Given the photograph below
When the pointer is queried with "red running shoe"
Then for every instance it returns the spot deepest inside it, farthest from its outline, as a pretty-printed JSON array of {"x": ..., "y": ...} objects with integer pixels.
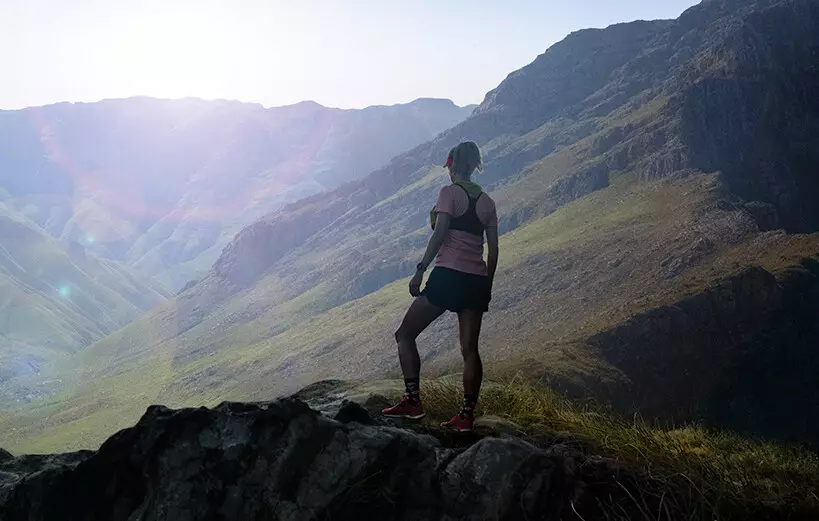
[
  {"x": 406, "y": 408},
  {"x": 460, "y": 422}
]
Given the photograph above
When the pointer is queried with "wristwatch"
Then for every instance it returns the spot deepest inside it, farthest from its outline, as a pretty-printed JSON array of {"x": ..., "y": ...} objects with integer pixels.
[{"x": 420, "y": 267}]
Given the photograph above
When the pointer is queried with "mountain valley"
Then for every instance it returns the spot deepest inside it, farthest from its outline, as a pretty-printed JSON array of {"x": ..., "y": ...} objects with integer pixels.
[
  {"x": 654, "y": 182},
  {"x": 163, "y": 185}
]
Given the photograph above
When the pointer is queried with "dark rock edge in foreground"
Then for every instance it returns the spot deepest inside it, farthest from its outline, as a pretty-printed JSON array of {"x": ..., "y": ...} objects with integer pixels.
[{"x": 283, "y": 460}]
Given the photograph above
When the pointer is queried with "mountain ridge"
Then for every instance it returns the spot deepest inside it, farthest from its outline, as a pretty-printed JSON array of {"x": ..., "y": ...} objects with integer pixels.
[
  {"x": 163, "y": 184},
  {"x": 227, "y": 101}
]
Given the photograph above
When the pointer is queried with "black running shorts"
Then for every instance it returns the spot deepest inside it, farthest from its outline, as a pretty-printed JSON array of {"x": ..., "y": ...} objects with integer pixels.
[{"x": 457, "y": 291}]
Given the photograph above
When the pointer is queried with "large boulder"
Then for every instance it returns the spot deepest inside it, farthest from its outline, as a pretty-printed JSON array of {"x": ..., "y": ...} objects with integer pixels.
[{"x": 283, "y": 460}]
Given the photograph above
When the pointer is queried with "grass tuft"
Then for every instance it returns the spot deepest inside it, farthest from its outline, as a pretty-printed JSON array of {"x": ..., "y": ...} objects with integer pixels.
[{"x": 686, "y": 472}]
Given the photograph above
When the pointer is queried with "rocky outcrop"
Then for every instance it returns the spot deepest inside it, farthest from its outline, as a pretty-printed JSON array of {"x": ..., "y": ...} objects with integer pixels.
[
  {"x": 747, "y": 105},
  {"x": 282, "y": 460},
  {"x": 741, "y": 355},
  {"x": 562, "y": 81}
]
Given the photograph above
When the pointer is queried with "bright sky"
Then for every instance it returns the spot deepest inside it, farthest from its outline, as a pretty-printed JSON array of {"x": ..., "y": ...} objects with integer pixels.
[{"x": 347, "y": 54}]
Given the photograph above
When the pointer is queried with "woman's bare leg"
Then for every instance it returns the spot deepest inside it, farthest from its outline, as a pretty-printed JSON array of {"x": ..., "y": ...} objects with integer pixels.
[
  {"x": 469, "y": 324},
  {"x": 419, "y": 315}
]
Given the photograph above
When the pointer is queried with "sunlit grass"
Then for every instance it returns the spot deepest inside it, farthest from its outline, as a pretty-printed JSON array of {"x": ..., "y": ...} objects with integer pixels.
[
  {"x": 690, "y": 472},
  {"x": 698, "y": 471}
]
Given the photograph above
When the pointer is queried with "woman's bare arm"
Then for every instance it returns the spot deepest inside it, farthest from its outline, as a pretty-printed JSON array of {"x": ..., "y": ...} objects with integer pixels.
[
  {"x": 492, "y": 255},
  {"x": 442, "y": 222}
]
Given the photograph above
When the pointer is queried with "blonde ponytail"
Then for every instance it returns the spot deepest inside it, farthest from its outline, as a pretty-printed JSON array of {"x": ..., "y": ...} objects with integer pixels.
[{"x": 465, "y": 158}]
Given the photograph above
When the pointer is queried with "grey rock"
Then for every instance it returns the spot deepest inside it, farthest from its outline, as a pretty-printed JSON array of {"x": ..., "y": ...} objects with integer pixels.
[
  {"x": 353, "y": 412},
  {"x": 765, "y": 214},
  {"x": 5, "y": 455},
  {"x": 283, "y": 460},
  {"x": 499, "y": 479}
]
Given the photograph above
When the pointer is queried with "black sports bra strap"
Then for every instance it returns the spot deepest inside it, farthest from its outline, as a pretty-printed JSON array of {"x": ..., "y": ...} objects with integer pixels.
[
  {"x": 467, "y": 194},
  {"x": 469, "y": 221}
]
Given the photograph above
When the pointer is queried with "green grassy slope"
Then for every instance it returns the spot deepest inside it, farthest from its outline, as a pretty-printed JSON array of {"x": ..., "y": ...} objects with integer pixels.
[
  {"x": 685, "y": 472},
  {"x": 588, "y": 266},
  {"x": 55, "y": 300}
]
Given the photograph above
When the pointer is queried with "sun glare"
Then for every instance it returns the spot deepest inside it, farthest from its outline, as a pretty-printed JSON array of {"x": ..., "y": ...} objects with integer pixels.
[{"x": 179, "y": 52}]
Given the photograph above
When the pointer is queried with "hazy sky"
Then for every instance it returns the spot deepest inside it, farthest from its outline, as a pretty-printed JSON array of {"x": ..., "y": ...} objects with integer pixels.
[{"x": 341, "y": 53}]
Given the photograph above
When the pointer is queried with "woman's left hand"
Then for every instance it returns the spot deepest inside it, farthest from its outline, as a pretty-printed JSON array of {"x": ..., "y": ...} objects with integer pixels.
[{"x": 415, "y": 284}]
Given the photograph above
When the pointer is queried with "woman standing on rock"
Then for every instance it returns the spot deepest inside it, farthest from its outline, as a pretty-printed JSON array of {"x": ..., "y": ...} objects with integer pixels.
[{"x": 461, "y": 282}]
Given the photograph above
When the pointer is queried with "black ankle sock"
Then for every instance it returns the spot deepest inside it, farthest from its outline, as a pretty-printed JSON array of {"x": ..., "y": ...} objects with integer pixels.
[
  {"x": 470, "y": 402},
  {"x": 413, "y": 388}
]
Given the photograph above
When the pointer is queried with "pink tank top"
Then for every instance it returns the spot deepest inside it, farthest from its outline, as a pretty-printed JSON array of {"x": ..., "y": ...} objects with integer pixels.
[{"x": 463, "y": 251}]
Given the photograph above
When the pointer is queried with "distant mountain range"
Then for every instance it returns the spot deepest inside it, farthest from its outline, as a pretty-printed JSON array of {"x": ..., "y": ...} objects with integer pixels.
[
  {"x": 108, "y": 208},
  {"x": 163, "y": 185},
  {"x": 655, "y": 183}
]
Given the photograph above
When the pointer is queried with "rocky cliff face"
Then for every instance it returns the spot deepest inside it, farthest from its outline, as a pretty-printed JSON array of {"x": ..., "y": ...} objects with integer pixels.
[
  {"x": 282, "y": 460},
  {"x": 741, "y": 355},
  {"x": 746, "y": 104}
]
